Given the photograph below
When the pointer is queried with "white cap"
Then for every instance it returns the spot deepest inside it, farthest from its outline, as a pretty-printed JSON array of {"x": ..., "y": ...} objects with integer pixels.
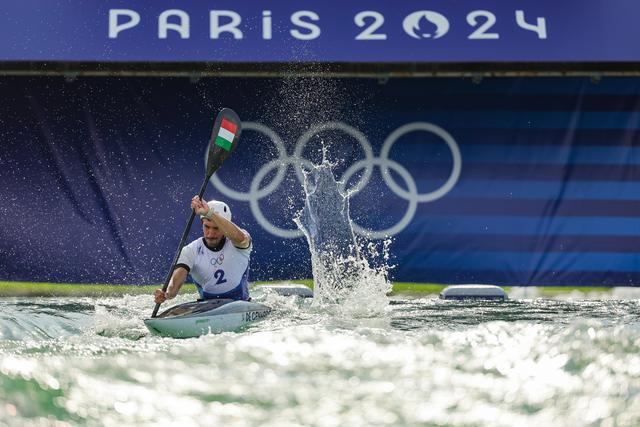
[{"x": 220, "y": 208}]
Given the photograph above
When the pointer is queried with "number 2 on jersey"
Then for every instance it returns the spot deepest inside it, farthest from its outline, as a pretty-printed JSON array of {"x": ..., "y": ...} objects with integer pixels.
[{"x": 219, "y": 274}]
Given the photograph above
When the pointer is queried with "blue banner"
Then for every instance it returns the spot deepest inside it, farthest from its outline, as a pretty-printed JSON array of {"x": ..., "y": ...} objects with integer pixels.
[
  {"x": 329, "y": 31},
  {"x": 509, "y": 181}
]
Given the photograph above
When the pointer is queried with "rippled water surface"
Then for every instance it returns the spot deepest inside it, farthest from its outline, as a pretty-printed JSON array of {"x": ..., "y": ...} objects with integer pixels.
[{"x": 413, "y": 361}]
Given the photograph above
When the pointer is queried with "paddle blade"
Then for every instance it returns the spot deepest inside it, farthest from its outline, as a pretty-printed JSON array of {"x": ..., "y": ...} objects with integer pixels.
[{"x": 224, "y": 139}]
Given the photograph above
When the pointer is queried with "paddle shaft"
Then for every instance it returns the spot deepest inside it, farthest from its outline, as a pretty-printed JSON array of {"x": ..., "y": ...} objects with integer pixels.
[{"x": 185, "y": 233}]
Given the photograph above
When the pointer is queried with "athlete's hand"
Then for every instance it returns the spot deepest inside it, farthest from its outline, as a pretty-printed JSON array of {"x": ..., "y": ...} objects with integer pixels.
[
  {"x": 160, "y": 296},
  {"x": 199, "y": 205}
]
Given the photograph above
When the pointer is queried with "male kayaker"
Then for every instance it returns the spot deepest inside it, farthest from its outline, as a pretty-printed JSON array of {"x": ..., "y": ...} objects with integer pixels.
[{"x": 219, "y": 262}]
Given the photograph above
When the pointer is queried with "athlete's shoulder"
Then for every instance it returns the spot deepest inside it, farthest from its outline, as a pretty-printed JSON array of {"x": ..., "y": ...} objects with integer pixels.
[
  {"x": 247, "y": 244},
  {"x": 195, "y": 246}
]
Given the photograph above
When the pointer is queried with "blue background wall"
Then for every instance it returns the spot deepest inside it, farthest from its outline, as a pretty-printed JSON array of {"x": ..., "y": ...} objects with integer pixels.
[{"x": 96, "y": 174}]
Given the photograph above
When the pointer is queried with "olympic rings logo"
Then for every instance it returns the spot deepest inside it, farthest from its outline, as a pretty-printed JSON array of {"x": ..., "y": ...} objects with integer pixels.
[
  {"x": 284, "y": 160},
  {"x": 217, "y": 260}
]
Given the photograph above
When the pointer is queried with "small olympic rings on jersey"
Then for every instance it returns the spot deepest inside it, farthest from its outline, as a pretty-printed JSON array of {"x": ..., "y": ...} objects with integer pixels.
[{"x": 217, "y": 260}]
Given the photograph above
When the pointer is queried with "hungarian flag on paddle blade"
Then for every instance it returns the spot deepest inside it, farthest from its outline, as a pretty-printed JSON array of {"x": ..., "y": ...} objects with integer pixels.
[{"x": 226, "y": 134}]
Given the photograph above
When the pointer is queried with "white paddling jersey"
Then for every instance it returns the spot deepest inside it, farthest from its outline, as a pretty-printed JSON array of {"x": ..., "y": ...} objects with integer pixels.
[{"x": 218, "y": 272}]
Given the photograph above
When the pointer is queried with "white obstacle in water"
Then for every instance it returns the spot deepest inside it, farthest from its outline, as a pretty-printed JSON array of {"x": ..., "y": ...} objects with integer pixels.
[
  {"x": 289, "y": 290},
  {"x": 472, "y": 291}
]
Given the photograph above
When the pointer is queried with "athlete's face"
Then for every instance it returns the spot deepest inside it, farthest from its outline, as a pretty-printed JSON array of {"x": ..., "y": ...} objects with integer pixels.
[{"x": 212, "y": 234}]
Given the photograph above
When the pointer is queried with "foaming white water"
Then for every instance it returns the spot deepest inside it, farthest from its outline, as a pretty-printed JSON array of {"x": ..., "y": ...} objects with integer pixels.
[
  {"x": 42, "y": 318},
  {"x": 342, "y": 273},
  {"x": 615, "y": 293},
  {"x": 421, "y": 362},
  {"x": 119, "y": 317}
]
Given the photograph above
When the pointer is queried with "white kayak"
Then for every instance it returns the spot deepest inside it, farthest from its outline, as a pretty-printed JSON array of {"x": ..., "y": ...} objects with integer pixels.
[{"x": 193, "y": 319}]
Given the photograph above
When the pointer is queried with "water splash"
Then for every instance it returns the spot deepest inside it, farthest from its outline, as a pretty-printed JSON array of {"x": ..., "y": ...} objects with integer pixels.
[{"x": 341, "y": 272}]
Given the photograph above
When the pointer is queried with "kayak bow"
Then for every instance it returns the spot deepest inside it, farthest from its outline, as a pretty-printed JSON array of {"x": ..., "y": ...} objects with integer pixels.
[{"x": 193, "y": 319}]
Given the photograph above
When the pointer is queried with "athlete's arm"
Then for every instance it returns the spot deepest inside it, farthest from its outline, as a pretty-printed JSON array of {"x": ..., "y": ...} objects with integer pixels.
[
  {"x": 177, "y": 280},
  {"x": 238, "y": 236}
]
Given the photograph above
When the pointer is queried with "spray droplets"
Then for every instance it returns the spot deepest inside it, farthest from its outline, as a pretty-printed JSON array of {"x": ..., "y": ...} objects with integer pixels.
[{"x": 341, "y": 271}]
